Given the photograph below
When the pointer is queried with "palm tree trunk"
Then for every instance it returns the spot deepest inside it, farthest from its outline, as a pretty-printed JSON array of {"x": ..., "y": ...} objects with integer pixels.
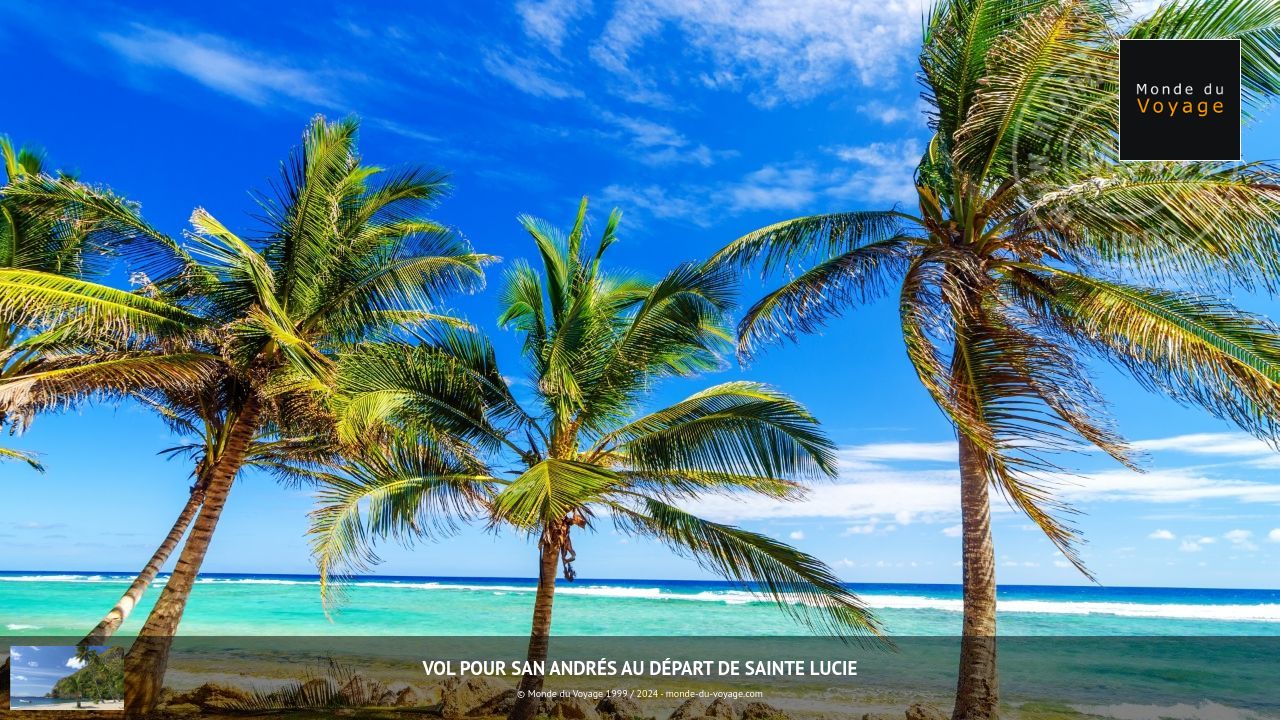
[
  {"x": 147, "y": 660},
  {"x": 977, "y": 689},
  {"x": 526, "y": 707},
  {"x": 133, "y": 595}
]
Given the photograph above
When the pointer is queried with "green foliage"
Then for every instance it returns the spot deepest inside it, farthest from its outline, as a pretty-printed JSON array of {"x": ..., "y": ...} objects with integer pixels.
[
  {"x": 1032, "y": 250},
  {"x": 101, "y": 678},
  {"x": 344, "y": 255},
  {"x": 594, "y": 345}
]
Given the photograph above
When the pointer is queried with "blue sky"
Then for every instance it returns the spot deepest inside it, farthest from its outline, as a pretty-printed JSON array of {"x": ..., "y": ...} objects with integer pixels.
[
  {"x": 34, "y": 670},
  {"x": 701, "y": 119}
]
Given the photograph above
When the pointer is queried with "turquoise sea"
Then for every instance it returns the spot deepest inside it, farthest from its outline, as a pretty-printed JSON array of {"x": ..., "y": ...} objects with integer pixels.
[{"x": 69, "y": 603}]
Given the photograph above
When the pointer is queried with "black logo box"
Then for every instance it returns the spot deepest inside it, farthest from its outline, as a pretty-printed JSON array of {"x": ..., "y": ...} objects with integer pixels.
[{"x": 1179, "y": 72}]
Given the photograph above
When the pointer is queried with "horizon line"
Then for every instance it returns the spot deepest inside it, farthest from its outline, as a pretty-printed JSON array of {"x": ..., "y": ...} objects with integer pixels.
[{"x": 581, "y": 579}]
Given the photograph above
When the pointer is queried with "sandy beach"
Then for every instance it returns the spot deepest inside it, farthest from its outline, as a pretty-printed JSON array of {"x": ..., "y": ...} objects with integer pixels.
[{"x": 71, "y": 705}]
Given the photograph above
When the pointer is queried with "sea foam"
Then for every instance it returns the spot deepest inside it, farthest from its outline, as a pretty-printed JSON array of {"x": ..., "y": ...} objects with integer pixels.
[{"x": 1261, "y": 612}]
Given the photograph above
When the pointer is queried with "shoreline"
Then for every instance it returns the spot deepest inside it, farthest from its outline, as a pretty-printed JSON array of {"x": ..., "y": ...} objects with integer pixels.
[{"x": 85, "y": 706}]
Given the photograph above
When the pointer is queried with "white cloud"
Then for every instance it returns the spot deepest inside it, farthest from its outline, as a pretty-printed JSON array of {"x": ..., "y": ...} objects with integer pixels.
[
  {"x": 656, "y": 144},
  {"x": 865, "y": 529},
  {"x": 1141, "y": 8},
  {"x": 13, "y": 653},
  {"x": 1062, "y": 563},
  {"x": 884, "y": 112},
  {"x": 1274, "y": 535},
  {"x": 1161, "y": 535},
  {"x": 20, "y": 677},
  {"x": 1235, "y": 444},
  {"x": 953, "y": 531},
  {"x": 1242, "y": 539},
  {"x": 797, "y": 535},
  {"x": 878, "y": 173},
  {"x": 947, "y": 451},
  {"x": 218, "y": 63},
  {"x": 1174, "y": 485},
  {"x": 549, "y": 20},
  {"x": 867, "y": 497},
  {"x": 782, "y": 50},
  {"x": 528, "y": 77},
  {"x": 883, "y": 172},
  {"x": 75, "y": 663},
  {"x": 655, "y": 201},
  {"x": 774, "y": 188},
  {"x": 1195, "y": 544}
]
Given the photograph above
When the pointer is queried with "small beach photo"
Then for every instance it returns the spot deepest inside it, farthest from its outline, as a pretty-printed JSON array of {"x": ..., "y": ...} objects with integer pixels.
[{"x": 66, "y": 678}]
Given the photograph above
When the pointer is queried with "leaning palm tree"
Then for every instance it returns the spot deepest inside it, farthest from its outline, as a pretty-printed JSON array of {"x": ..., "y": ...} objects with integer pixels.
[
  {"x": 27, "y": 243},
  {"x": 197, "y": 416},
  {"x": 1031, "y": 247},
  {"x": 594, "y": 343},
  {"x": 342, "y": 259},
  {"x": 73, "y": 241}
]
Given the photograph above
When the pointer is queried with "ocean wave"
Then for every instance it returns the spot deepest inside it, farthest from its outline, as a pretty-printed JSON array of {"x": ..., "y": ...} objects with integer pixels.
[
  {"x": 1206, "y": 710},
  {"x": 1255, "y": 613},
  {"x": 1262, "y": 612},
  {"x": 20, "y": 626},
  {"x": 253, "y": 581},
  {"x": 63, "y": 578}
]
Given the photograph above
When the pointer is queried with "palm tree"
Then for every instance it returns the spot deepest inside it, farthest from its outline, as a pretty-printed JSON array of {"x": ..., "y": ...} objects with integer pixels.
[
  {"x": 26, "y": 243},
  {"x": 196, "y": 415},
  {"x": 73, "y": 240},
  {"x": 594, "y": 343},
  {"x": 341, "y": 259},
  {"x": 1032, "y": 247}
]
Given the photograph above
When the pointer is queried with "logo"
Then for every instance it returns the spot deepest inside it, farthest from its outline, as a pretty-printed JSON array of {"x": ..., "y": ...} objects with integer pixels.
[{"x": 1180, "y": 100}]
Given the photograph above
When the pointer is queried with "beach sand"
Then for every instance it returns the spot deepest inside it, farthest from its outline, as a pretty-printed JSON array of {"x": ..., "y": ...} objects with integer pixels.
[{"x": 106, "y": 705}]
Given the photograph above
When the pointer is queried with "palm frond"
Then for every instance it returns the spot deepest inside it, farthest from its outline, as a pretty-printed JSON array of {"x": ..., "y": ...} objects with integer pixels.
[
  {"x": 1042, "y": 74},
  {"x": 103, "y": 219},
  {"x": 33, "y": 298},
  {"x": 1256, "y": 23},
  {"x": 70, "y": 381},
  {"x": 815, "y": 237},
  {"x": 1198, "y": 350},
  {"x": 22, "y": 457},
  {"x": 550, "y": 490},
  {"x": 736, "y": 429},
  {"x": 799, "y": 584},
  {"x": 405, "y": 493},
  {"x": 805, "y": 303},
  {"x": 959, "y": 35},
  {"x": 1210, "y": 222}
]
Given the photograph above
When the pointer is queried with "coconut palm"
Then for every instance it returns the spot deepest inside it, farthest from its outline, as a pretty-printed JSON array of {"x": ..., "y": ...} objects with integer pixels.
[
  {"x": 595, "y": 343},
  {"x": 73, "y": 241},
  {"x": 196, "y": 415},
  {"x": 71, "y": 238},
  {"x": 26, "y": 243},
  {"x": 1031, "y": 248},
  {"x": 341, "y": 258}
]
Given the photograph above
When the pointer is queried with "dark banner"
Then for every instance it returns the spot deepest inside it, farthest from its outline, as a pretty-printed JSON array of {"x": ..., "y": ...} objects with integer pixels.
[{"x": 681, "y": 678}]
